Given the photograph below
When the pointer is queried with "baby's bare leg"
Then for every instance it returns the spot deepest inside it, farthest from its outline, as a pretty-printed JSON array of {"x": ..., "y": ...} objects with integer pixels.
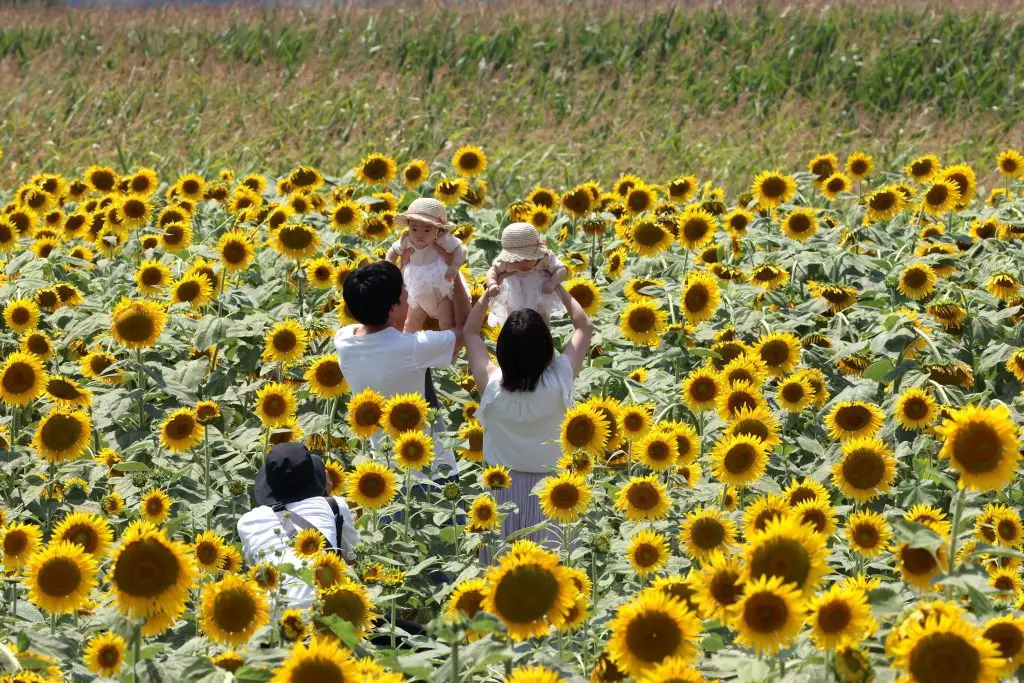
[
  {"x": 446, "y": 314},
  {"x": 415, "y": 319}
]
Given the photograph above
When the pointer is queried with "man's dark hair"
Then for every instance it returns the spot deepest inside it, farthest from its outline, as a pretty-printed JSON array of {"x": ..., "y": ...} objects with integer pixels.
[
  {"x": 525, "y": 350},
  {"x": 371, "y": 290}
]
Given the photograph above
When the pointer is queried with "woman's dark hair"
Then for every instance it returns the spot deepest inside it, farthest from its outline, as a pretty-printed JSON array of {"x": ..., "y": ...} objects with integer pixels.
[
  {"x": 525, "y": 350},
  {"x": 371, "y": 291}
]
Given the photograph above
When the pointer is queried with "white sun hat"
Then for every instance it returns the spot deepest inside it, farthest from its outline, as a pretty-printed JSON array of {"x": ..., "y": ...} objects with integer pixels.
[
  {"x": 521, "y": 242},
  {"x": 426, "y": 209}
]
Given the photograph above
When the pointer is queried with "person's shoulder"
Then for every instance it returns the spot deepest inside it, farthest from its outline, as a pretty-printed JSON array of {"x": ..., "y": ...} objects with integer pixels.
[
  {"x": 345, "y": 333},
  {"x": 256, "y": 514},
  {"x": 432, "y": 336}
]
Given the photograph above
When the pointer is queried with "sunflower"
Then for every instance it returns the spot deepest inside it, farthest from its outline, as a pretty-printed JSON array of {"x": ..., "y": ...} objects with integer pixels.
[
  {"x": 635, "y": 289},
  {"x": 657, "y": 450},
  {"x": 868, "y": 533},
  {"x": 285, "y": 342},
  {"x": 473, "y": 434},
  {"x": 155, "y": 506},
  {"x": 650, "y": 629},
  {"x": 635, "y": 420},
  {"x": 180, "y": 431},
  {"x": 940, "y": 197},
  {"x": 741, "y": 396},
  {"x": 22, "y": 379},
  {"x": 835, "y": 185},
  {"x": 800, "y": 224},
  {"x": 403, "y": 413},
  {"x": 866, "y": 469},
  {"x": 1007, "y": 633},
  {"x": 772, "y": 188},
  {"x": 647, "y": 237},
  {"x": 643, "y": 498},
  {"x": 746, "y": 367},
  {"x": 89, "y": 531},
  {"x": 60, "y": 578},
  {"x": 483, "y": 515},
  {"x": 701, "y": 389},
  {"x": 946, "y": 648},
  {"x": 365, "y": 411},
  {"x": 346, "y": 216},
  {"x": 371, "y": 485},
  {"x": 919, "y": 565},
  {"x": 323, "y": 659},
  {"x": 642, "y": 323},
  {"x": 982, "y": 446},
  {"x": 150, "y": 573},
  {"x": 137, "y": 324},
  {"x": 794, "y": 393},
  {"x": 236, "y": 251},
  {"x": 838, "y": 297},
  {"x": 739, "y": 460},
  {"x": 758, "y": 422},
  {"x": 848, "y": 420},
  {"x": 105, "y": 653},
  {"x": 915, "y": 408},
  {"x": 790, "y": 551},
  {"x": 63, "y": 434},
  {"x": 297, "y": 241},
  {"x": 696, "y": 227},
  {"x": 586, "y": 293},
  {"x": 275, "y": 405},
  {"x": 780, "y": 352},
  {"x": 152, "y": 277},
  {"x": 527, "y": 589},
  {"x": 18, "y": 543},
  {"x": 194, "y": 290},
  {"x": 565, "y": 497},
  {"x": 647, "y": 552},
  {"x": 578, "y": 201},
  {"x": 769, "y": 614},
  {"x": 209, "y": 551},
  {"x": 112, "y": 504},
  {"x": 706, "y": 531},
  {"x": 584, "y": 428},
  {"x": 325, "y": 378},
  {"x": 21, "y": 315},
  {"x": 293, "y": 626},
  {"x": 308, "y": 543},
  {"x": 232, "y": 610},
  {"x": 769, "y": 276},
  {"x": 414, "y": 450},
  {"x": 496, "y": 477},
  {"x": 469, "y": 161},
  {"x": 917, "y": 281},
  {"x": 1002, "y": 286},
  {"x": 700, "y": 297},
  {"x": 840, "y": 617}
]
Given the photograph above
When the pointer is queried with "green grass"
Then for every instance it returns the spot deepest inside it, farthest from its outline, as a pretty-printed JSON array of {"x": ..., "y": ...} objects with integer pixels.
[{"x": 554, "y": 92}]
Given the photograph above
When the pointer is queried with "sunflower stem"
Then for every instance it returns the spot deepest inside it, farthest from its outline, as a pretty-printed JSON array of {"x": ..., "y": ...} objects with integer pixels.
[
  {"x": 393, "y": 610},
  {"x": 50, "y": 480},
  {"x": 455, "y": 655},
  {"x": 958, "y": 509},
  {"x": 141, "y": 379},
  {"x": 136, "y": 652},
  {"x": 298, "y": 276},
  {"x": 406, "y": 514},
  {"x": 206, "y": 472}
]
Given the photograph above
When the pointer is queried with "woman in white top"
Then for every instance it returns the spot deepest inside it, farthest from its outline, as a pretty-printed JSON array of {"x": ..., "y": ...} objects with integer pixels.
[{"x": 524, "y": 398}]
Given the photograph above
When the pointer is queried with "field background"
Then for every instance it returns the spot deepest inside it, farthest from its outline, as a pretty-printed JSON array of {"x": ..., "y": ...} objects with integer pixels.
[{"x": 555, "y": 92}]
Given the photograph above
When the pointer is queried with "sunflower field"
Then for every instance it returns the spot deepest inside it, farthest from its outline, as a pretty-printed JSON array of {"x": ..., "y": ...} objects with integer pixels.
[{"x": 794, "y": 453}]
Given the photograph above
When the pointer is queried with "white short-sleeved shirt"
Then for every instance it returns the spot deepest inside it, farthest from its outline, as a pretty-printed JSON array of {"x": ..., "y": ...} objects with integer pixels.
[
  {"x": 522, "y": 429},
  {"x": 263, "y": 539},
  {"x": 392, "y": 362}
]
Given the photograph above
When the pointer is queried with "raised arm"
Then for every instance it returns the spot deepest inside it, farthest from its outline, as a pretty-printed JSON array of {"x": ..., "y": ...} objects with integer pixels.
[
  {"x": 461, "y": 305},
  {"x": 578, "y": 347},
  {"x": 476, "y": 349}
]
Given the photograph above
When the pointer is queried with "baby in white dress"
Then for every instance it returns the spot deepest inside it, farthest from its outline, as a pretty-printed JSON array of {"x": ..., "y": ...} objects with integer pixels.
[
  {"x": 526, "y": 274},
  {"x": 430, "y": 258}
]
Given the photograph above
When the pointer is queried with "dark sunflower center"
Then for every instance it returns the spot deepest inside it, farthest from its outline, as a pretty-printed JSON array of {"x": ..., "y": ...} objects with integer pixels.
[
  {"x": 295, "y": 237},
  {"x": 643, "y": 496},
  {"x": 944, "y": 658},
  {"x": 918, "y": 560},
  {"x": 109, "y": 656},
  {"x": 61, "y": 432},
  {"x": 234, "y": 611},
  {"x": 207, "y": 553},
  {"x": 707, "y": 533},
  {"x": 915, "y": 409},
  {"x": 284, "y": 341},
  {"x": 739, "y": 400},
  {"x": 368, "y": 414},
  {"x": 59, "y": 577},
  {"x": 135, "y": 326},
  {"x": 152, "y": 276},
  {"x": 740, "y": 458},
  {"x": 863, "y": 469},
  {"x": 765, "y": 612},
  {"x": 329, "y": 374},
  {"x": 648, "y": 233},
  {"x": 146, "y": 569},
  {"x": 658, "y": 451},
  {"x": 565, "y": 496},
  {"x": 646, "y": 555},
  {"x": 834, "y": 617},
  {"x": 188, "y": 291},
  {"x": 234, "y": 252},
  {"x": 372, "y": 485},
  {"x": 696, "y": 298},
  {"x": 405, "y": 417},
  {"x": 346, "y": 605},
  {"x": 783, "y": 557},
  {"x": 883, "y": 201},
  {"x": 525, "y": 594},
  {"x": 580, "y": 431},
  {"x": 866, "y": 536},
  {"x": 84, "y": 536},
  {"x": 274, "y": 405},
  {"x": 977, "y": 448},
  {"x": 470, "y": 603},
  {"x": 853, "y": 418},
  {"x": 775, "y": 353},
  {"x": 799, "y": 223},
  {"x": 695, "y": 229},
  {"x": 1007, "y": 637},
  {"x": 653, "y": 636},
  {"x": 937, "y": 195},
  {"x": 180, "y": 427},
  {"x": 583, "y": 295}
]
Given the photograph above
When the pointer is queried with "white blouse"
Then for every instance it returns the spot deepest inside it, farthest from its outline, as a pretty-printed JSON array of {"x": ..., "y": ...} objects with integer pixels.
[{"x": 522, "y": 429}]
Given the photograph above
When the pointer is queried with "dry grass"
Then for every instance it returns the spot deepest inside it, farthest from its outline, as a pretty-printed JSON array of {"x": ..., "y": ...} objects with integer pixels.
[{"x": 555, "y": 92}]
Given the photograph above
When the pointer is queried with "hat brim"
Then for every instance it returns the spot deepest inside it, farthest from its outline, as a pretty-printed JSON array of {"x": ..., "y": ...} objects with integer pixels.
[
  {"x": 402, "y": 220},
  {"x": 263, "y": 494},
  {"x": 521, "y": 254}
]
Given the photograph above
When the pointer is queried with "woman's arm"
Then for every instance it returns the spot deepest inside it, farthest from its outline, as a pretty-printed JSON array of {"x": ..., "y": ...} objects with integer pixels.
[
  {"x": 479, "y": 361},
  {"x": 578, "y": 347}
]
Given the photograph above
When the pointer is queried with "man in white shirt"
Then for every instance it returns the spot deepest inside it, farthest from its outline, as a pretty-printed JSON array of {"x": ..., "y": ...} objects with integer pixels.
[
  {"x": 376, "y": 354},
  {"x": 291, "y": 491}
]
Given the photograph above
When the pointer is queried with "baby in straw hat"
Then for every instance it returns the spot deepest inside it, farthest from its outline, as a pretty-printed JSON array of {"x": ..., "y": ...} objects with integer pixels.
[
  {"x": 430, "y": 257},
  {"x": 526, "y": 274}
]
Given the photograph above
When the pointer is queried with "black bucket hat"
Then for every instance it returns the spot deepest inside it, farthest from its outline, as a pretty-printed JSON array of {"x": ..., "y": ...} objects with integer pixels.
[{"x": 291, "y": 473}]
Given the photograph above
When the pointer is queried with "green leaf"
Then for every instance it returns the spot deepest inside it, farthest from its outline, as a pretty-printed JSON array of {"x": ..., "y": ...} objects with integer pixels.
[
  {"x": 879, "y": 370},
  {"x": 712, "y": 643},
  {"x": 131, "y": 467}
]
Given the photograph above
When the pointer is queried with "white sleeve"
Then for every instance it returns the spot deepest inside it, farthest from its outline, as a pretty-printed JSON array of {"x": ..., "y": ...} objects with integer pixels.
[{"x": 433, "y": 349}]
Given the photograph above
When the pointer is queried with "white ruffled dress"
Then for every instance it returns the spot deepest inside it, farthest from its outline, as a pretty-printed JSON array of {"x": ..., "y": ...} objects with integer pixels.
[{"x": 523, "y": 290}]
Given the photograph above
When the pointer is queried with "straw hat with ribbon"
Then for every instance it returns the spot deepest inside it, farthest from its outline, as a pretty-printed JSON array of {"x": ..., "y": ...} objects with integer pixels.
[
  {"x": 426, "y": 210},
  {"x": 521, "y": 242}
]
